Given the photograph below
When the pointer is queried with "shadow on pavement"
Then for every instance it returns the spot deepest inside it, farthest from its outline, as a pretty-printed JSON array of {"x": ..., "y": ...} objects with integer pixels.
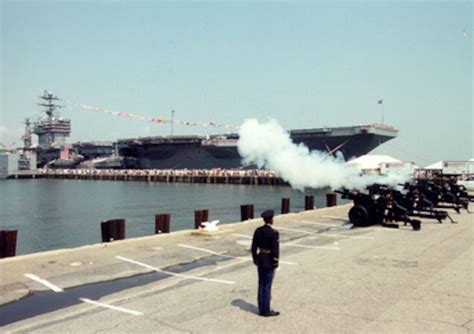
[{"x": 243, "y": 305}]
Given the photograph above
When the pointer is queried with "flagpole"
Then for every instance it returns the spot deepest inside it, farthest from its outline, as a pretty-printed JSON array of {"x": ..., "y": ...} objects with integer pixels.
[
  {"x": 383, "y": 114},
  {"x": 172, "y": 122},
  {"x": 382, "y": 109}
]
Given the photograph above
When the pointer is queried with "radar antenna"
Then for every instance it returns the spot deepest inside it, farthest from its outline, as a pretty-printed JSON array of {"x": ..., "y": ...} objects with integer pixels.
[{"x": 49, "y": 104}]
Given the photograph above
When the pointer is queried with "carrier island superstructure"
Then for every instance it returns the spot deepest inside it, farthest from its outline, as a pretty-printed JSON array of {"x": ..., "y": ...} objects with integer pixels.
[{"x": 51, "y": 129}]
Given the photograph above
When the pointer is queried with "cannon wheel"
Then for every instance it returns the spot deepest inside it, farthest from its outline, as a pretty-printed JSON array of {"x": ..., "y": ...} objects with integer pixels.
[{"x": 359, "y": 216}]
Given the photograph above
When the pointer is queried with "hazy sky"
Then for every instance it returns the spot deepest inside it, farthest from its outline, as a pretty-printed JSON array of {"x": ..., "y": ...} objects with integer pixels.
[{"x": 305, "y": 64}]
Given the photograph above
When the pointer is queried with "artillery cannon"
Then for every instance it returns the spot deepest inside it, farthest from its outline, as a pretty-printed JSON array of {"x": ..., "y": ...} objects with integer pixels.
[
  {"x": 373, "y": 209},
  {"x": 443, "y": 196},
  {"x": 461, "y": 192},
  {"x": 416, "y": 205}
]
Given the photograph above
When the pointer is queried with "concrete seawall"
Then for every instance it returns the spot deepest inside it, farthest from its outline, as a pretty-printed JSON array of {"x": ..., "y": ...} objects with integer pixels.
[{"x": 331, "y": 279}]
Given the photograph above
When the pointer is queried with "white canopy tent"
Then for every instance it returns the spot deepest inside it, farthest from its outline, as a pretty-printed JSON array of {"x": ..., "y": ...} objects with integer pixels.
[
  {"x": 371, "y": 162},
  {"x": 436, "y": 165}
]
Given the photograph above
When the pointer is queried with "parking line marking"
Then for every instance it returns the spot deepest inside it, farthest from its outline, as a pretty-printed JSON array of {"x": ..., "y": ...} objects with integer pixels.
[
  {"x": 337, "y": 218},
  {"x": 379, "y": 228},
  {"x": 333, "y": 235},
  {"x": 227, "y": 256},
  {"x": 345, "y": 236},
  {"x": 173, "y": 274},
  {"x": 116, "y": 308},
  {"x": 44, "y": 282},
  {"x": 316, "y": 223},
  {"x": 312, "y": 247},
  {"x": 208, "y": 251},
  {"x": 295, "y": 230}
]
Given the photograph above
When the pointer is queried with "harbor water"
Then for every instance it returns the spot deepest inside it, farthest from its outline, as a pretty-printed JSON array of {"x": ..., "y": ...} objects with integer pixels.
[{"x": 55, "y": 214}]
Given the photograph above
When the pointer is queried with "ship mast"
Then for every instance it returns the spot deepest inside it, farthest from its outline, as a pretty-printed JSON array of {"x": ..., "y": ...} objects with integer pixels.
[{"x": 49, "y": 104}]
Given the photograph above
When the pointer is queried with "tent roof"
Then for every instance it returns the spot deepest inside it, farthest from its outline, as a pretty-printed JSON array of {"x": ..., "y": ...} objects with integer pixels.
[
  {"x": 371, "y": 161},
  {"x": 439, "y": 165},
  {"x": 436, "y": 165}
]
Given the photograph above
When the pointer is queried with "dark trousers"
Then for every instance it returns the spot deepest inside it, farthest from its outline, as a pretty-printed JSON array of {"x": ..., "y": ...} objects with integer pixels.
[{"x": 265, "y": 278}]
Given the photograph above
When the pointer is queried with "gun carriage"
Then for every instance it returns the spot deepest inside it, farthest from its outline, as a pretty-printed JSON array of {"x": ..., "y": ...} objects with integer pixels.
[
  {"x": 442, "y": 194},
  {"x": 377, "y": 209},
  {"x": 383, "y": 205}
]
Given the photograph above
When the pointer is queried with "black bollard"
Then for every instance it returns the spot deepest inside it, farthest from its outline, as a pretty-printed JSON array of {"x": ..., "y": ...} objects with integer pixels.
[
  {"x": 7, "y": 243},
  {"x": 309, "y": 202},
  {"x": 120, "y": 228},
  {"x": 246, "y": 212},
  {"x": 331, "y": 199},
  {"x": 162, "y": 223},
  {"x": 200, "y": 216},
  {"x": 285, "y": 205},
  {"x": 104, "y": 231},
  {"x": 197, "y": 218},
  {"x": 205, "y": 215},
  {"x": 112, "y": 229}
]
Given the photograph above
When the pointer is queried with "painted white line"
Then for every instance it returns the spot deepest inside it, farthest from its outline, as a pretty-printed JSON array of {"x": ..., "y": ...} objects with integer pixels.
[
  {"x": 44, "y": 282},
  {"x": 312, "y": 247},
  {"x": 227, "y": 256},
  {"x": 173, "y": 274},
  {"x": 332, "y": 235},
  {"x": 379, "y": 229},
  {"x": 242, "y": 236},
  {"x": 294, "y": 230},
  {"x": 116, "y": 308},
  {"x": 315, "y": 223},
  {"x": 207, "y": 251},
  {"x": 337, "y": 218}
]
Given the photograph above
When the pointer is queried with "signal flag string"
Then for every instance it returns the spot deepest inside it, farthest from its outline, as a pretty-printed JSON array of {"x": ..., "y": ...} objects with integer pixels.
[{"x": 155, "y": 120}]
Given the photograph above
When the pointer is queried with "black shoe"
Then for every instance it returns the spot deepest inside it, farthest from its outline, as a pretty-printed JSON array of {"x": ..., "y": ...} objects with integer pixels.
[{"x": 272, "y": 313}]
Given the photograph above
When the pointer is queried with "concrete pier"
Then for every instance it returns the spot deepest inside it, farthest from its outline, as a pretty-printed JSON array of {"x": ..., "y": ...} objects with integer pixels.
[
  {"x": 331, "y": 279},
  {"x": 211, "y": 176}
]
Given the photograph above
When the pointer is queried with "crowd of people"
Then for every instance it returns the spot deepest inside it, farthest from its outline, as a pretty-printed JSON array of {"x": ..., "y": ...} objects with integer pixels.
[{"x": 215, "y": 172}]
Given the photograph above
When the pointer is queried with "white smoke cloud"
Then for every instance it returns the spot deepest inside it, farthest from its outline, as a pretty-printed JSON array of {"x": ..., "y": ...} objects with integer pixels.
[{"x": 269, "y": 145}]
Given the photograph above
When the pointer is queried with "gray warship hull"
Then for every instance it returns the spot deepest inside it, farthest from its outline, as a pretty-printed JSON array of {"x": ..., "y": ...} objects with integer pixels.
[{"x": 220, "y": 151}]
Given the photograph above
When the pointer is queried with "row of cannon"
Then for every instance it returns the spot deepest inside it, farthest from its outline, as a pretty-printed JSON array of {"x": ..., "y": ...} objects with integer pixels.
[{"x": 387, "y": 206}]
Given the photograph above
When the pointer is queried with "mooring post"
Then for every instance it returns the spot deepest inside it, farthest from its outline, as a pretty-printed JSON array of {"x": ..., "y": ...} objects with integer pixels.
[
  {"x": 205, "y": 215},
  {"x": 7, "y": 243},
  {"x": 309, "y": 202},
  {"x": 331, "y": 199},
  {"x": 112, "y": 229},
  {"x": 246, "y": 212},
  {"x": 162, "y": 223},
  {"x": 285, "y": 205},
  {"x": 198, "y": 218}
]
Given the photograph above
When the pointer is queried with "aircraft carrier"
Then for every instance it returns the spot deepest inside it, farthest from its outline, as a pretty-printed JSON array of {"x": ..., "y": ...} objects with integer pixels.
[
  {"x": 179, "y": 152},
  {"x": 220, "y": 151}
]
